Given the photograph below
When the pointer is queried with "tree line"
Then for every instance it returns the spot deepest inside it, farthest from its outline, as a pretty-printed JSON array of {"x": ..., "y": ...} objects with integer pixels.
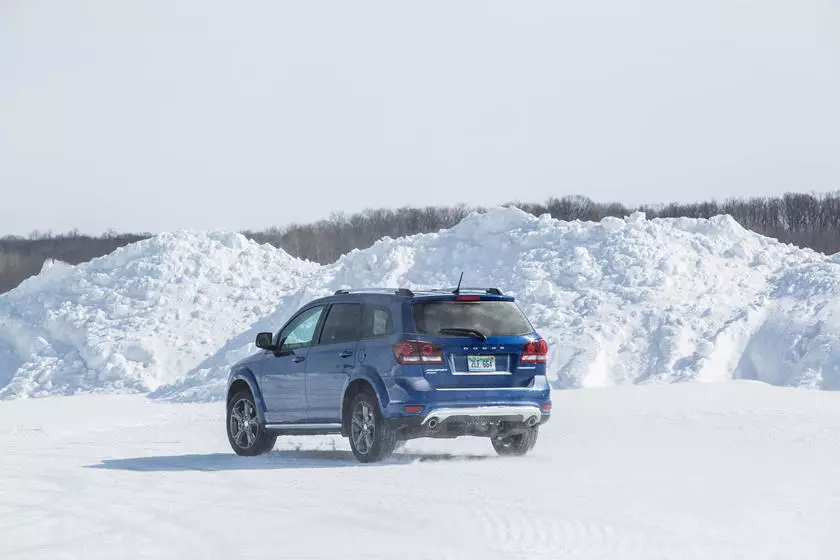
[
  {"x": 806, "y": 220},
  {"x": 22, "y": 257}
]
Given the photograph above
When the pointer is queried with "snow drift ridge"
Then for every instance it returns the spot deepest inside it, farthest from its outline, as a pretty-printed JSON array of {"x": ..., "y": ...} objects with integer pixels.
[{"x": 620, "y": 301}]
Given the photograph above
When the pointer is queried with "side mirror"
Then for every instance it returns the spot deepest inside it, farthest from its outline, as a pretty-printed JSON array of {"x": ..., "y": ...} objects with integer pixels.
[{"x": 264, "y": 341}]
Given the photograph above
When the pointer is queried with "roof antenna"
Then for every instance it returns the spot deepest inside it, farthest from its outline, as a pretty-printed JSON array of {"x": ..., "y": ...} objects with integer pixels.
[{"x": 458, "y": 289}]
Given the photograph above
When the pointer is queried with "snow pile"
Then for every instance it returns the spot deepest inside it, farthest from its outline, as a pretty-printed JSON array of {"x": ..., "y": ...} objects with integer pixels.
[
  {"x": 621, "y": 301},
  {"x": 798, "y": 344},
  {"x": 140, "y": 317}
]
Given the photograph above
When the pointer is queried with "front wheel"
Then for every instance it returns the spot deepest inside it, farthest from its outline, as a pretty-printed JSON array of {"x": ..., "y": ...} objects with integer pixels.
[
  {"x": 245, "y": 434},
  {"x": 371, "y": 438},
  {"x": 518, "y": 444}
]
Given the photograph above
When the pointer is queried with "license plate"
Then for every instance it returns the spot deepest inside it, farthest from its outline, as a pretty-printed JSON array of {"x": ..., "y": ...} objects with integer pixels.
[{"x": 481, "y": 363}]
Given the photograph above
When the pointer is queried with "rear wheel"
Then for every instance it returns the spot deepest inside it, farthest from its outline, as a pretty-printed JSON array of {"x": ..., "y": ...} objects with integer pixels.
[
  {"x": 371, "y": 438},
  {"x": 518, "y": 444},
  {"x": 245, "y": 434}
]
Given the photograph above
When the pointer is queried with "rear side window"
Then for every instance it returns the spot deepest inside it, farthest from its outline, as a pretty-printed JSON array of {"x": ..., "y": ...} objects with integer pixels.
[
  {"x": 343, "y": 324},
  {"x": 491, "y": 318},
  {"x": 376, "y": 321}
]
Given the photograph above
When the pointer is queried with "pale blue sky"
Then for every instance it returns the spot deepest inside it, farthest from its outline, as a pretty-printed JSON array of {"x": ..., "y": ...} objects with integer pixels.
[{"x": 206, "y": 114}]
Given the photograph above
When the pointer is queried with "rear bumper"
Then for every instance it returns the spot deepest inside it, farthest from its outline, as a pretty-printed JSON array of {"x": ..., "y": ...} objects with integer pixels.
[
  {"x": 452, "y": 412},
  {"x": 482, "y": 421},
  {"x": 402, "y": 392}
]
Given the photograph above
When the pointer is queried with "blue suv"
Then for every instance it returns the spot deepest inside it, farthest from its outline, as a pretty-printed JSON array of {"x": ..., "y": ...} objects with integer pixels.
[{"x": 385, "y": 366}]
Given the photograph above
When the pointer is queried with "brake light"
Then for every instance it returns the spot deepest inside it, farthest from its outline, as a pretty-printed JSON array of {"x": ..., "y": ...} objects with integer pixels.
[
  {"x": 534, "y": 352},
  {"x": 468, "y": 298},
  {"x": 410, "y": 352}
]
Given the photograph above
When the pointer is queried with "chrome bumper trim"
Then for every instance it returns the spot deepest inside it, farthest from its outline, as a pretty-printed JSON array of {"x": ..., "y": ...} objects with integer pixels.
[{"x": 524, "y": 412}]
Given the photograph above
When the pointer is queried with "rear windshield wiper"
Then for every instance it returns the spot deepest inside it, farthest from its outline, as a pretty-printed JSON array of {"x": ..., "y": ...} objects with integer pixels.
[{"x": 469, "y": 332}]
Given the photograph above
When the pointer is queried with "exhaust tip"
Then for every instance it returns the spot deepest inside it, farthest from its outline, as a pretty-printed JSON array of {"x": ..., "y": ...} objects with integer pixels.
[
  {"x": 532, "y": 421},
  {"x": 433, "y": 423}
]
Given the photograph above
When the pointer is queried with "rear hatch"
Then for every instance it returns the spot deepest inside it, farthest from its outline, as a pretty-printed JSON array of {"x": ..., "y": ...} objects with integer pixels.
[{"x": 481, "y": 339}]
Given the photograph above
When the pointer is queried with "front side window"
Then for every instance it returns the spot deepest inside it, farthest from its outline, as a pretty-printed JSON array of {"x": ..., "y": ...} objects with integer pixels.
[
  {"x": 301, "y": 330},
  {"x": 343, "y": 323}
]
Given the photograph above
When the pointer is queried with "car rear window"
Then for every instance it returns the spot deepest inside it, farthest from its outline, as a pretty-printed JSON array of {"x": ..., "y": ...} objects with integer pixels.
[{"x": 491, "y": 318}]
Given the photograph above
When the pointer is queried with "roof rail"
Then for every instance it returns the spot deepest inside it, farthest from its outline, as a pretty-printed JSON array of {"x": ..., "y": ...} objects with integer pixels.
[
  {"x": 398, "y": 291},
  {"x": 492, "y": 291}
]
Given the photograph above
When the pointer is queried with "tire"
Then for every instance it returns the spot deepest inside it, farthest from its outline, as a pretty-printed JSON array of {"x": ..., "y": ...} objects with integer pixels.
[
  {"x": 371, "y": 437},
  {"x": 516, "y": 445},
  {"x": 246, "y": 435}
]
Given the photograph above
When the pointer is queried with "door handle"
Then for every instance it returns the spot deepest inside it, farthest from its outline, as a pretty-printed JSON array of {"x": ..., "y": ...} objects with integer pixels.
[
  {"x": 345, "y": 354},
  {"x": 298, "y": 359}
]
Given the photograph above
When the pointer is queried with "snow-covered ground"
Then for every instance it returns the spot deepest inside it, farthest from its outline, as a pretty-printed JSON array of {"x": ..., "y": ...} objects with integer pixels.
[
  {"x": 726, "y": 470},
  {"x": 140, "y": 317}
]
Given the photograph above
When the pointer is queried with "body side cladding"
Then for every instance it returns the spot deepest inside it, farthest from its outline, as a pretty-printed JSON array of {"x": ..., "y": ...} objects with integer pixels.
[
  {"x": 369, "y": 374},
  {"x": 246, "y": 375},
  {"x": 372, "y": 378}
]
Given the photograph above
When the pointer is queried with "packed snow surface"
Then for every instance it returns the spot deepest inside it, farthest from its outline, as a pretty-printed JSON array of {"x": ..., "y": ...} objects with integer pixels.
[
  {"x": 622, "y": 301},
  {"x": 140, "y": 317},
  {"x": 719, "y": 471}
]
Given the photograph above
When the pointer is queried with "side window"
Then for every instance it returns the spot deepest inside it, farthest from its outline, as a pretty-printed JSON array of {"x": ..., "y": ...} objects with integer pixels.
[
  {"x": 376, "y": 321},
  {"x": 343, "y": 323},
  {"x": 300, "y": 331}
]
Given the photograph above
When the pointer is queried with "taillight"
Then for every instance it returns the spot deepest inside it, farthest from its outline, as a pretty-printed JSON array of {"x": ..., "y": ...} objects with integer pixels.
[
  {"x": 417, "y": 352},
  {"x": 534, "y": 352},
  {"x": 468, "y": 298}
]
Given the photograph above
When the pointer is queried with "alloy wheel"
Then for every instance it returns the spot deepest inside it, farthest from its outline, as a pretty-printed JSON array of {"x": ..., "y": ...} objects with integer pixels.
[
  {"x": 363, "y": 427},
  {"x": 243, "y": 423}
]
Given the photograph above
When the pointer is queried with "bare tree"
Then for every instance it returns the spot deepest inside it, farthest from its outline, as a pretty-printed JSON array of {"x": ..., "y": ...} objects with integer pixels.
[{"x": 807, "y": 220}]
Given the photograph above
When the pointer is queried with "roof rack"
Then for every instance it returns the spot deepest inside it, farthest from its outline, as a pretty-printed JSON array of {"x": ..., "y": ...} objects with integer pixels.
[
  {"x": 492, "y": 291},
  {"x": 398, "y": 291}
]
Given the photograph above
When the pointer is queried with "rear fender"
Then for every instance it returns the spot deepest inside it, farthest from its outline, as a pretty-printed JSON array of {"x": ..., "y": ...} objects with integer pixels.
[{"x": 374, "y": 380}]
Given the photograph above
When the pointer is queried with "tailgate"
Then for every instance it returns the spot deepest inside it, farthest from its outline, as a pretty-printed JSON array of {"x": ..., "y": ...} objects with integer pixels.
[
  {"x": 481, "y": 339},
  {"x": 469, "y": 363}
]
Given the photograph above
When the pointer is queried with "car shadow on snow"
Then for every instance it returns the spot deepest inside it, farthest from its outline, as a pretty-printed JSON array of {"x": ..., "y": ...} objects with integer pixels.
[{"x": 294, "y": 459}]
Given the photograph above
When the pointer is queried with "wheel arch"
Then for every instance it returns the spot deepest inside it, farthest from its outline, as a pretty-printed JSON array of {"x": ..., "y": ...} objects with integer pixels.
[
  {"x": 244, "y": 378},
  {"x": 360, "y": 382}
]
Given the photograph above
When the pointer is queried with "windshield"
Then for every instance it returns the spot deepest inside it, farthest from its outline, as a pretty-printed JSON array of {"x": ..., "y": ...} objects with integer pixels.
[{"x": 490, "y": 318}]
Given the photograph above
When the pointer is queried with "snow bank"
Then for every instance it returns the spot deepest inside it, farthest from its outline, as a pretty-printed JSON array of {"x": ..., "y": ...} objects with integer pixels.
[
  {"x": 621, "y": 301},
  {"x": 140, "y": 317},
  {"x": 799, "y": 342}
]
